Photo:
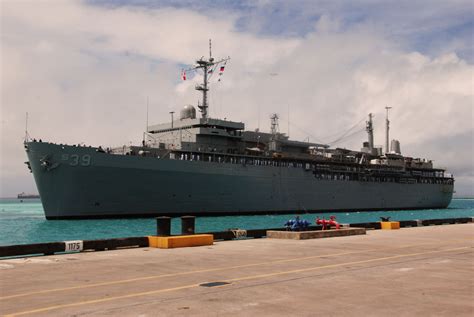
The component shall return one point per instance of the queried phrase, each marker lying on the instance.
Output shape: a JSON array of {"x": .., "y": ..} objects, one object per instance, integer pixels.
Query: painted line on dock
[
  {"x": 220, "y": 269},
  {"x": 181, "y": 274},
  {"x": 342, "y": 264},
  {"x": 250, "y": 277}
]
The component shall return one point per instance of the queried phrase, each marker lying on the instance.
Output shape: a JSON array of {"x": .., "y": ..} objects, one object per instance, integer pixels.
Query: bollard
[
  {"x": 163, "y": 226},
  {"x": 187, "y": 225}
]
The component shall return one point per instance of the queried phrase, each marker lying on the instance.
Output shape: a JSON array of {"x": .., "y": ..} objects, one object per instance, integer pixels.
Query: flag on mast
[{"x": 221, "y": 71}]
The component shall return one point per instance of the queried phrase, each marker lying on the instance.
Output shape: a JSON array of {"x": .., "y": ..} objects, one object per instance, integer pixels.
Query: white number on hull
[
  {"x": 74, "y": 160},
  {"x": 84, "y": 160}
]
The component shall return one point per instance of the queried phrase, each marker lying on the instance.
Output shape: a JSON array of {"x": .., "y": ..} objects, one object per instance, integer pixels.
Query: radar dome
[{"x": 188, "y": 112}]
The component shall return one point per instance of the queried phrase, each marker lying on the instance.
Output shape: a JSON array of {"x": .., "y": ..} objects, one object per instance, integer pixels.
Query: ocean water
[{"x": 24, "y": 222}]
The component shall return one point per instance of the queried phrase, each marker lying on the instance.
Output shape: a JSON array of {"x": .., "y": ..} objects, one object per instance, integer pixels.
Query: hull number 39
[{"x": 77, "y": 160}]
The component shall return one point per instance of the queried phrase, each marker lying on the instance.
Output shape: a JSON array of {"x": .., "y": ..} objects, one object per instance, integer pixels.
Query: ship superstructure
[{"x": 208, "y": 166}]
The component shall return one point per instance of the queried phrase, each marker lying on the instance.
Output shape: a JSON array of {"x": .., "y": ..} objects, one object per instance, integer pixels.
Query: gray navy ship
[{"x": 206, "y": 166}]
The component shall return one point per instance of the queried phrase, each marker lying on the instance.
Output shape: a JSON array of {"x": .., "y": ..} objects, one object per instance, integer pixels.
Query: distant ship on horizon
[
  {"x": 207, "y": 166},
  {"x": 23, "y": 195}
]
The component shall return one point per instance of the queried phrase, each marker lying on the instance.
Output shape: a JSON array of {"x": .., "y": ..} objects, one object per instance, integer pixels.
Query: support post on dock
[
  {"x": 187, "y": 225},
  {"x": 163, "y": 226}
]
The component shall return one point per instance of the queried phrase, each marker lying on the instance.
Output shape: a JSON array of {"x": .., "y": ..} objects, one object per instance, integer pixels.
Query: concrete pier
[{"x": 409, "y": 272}]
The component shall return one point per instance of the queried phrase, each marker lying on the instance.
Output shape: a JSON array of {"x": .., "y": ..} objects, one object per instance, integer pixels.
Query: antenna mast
[
  {"x": 288, "y": 120},
  {"x": 258, "y": 125},
  {"x": 146, "y": 126},
  {"x": 206, "y": 66},
  {"x": 274, "y": 124},
  {"x": 26, "y": 128},
  {"x": 370, "y": 131},
  {"x": 273, "y": 146},
  {"x": 210, "y": 49},
  {"x": 387, "y": 128},
  {"x": 146, "y": 114}
]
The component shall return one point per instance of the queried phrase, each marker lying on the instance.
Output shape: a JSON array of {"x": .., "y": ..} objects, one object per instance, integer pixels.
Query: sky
[{"x": 83, "y": 70}]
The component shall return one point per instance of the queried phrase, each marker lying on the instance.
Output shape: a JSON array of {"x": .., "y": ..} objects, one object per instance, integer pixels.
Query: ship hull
[{"x": 79, "y": 182}]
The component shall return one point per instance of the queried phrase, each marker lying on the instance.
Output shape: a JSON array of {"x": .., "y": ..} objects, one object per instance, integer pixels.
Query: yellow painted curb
[
  {"x": 390, "y": 225},
  {"x": 180, "y": 241}
]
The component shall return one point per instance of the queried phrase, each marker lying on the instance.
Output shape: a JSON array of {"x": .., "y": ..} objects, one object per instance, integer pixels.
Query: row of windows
[
  {"x": 358, "y": 175},
  {"x": 365, "y": 178},
  {"x": 235, "y": 160}
]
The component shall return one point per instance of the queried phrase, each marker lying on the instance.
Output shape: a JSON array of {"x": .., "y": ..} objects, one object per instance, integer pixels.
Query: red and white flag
[
  {"x": 221, "y": 71},
  {"x": 183, "y": 75}
]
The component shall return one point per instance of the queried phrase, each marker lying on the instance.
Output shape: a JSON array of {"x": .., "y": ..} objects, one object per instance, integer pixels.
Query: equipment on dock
[
  {"x": 163, "y": 226},
  {"x": 188, "y": 224},
  {"x": 297, "y": 224},
  {"x": 328, "y": 223}
]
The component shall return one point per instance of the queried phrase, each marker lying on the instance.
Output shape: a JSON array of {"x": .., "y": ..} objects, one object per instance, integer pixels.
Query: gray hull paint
[{"x": 124, "y": 186}]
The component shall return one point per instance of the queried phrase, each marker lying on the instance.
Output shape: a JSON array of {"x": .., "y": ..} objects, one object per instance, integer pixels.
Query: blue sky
[{"x": 428, "y": 26}]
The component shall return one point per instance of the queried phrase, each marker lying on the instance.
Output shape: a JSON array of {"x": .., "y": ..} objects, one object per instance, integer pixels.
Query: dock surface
[{"x": 422, "y": 271}]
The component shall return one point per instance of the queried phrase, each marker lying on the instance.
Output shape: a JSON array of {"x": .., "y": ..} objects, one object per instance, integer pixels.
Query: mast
[
  {"x": 26, "y": 129},
  {"x": 274, "y": 125},
  {"x": 387, "y": 128},
  {"x": 288, "y": 120},
  {"x": 146, "y": 124},
  {"x": 147, "y": 105},
  {"x": 370, "y": 131},
  {"x": 273, "y": 146},
  {"x": 206, "y": 65}
]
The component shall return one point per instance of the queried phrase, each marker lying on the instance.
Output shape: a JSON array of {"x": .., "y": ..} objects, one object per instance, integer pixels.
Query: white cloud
[{"x": 84, "y": 73}]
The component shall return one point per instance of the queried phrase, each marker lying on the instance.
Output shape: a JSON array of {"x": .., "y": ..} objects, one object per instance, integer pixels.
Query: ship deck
[{"x": 411, "y": 271}]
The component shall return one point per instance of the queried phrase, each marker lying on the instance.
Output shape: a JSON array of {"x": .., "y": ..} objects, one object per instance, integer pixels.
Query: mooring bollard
[
  {"x": 187, "y": 225},
  {"x": 163, "y": 226}
]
